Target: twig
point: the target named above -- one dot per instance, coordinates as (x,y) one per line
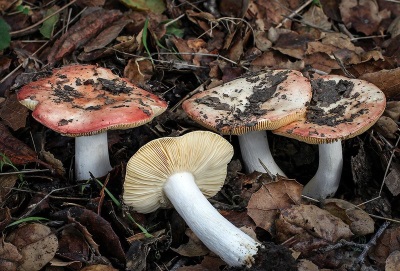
(372,242)
(24,171)
(294,13)
(42,20)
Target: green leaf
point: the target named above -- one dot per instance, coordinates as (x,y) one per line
(47,27)
(23,9)
(156,6)
(5,37)
(173,29)
(27,219)
(144,38)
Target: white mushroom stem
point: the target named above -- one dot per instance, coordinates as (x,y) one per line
(326,181)
(91,155)
(224,239)
(254,145)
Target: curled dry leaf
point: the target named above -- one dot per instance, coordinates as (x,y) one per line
(270,199)
(386,244)
(362,15)
(314,221)
(10,257)
(73,245)
(36,243)
(392,180)
(99,267)
(7,182)
(386,80)
(193,248)
(392,110)
(97,226)
(387,127)
(13,113)
(359,221)
(393,261)
(17,151)
(80,33)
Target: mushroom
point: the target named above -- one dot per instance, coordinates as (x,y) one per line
(183,171)
(250,105)
(340,108)
(84,101)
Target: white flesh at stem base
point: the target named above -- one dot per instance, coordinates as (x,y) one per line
(91,155)
(326,181)
(220,236)
(253,146)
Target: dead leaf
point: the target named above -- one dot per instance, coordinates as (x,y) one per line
(386,80)
(7,182)
(359,221)
(80,33)
(73,245)
(270,199)
(13,112)
(193,248)
(292,44)
(209,263)
(36,243)
(106,36)
(316,222)
(386,244)
(99,267)
(138,71)
(387,127)
(306,265)
(90,3)
(392,110)
(97,226)
(10,257)
(362,15)
(56,164)
(393,261)
(18,152)
(392,180)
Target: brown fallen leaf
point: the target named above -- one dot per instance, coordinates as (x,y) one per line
(7,182)
(270,199)
(97,226)
(17,151)
(80,33)
(99,267)
(392,180)
(386,80)
(193,248)
(13,113)
(36,243)
(359,221)
(209,263)
(362,15)
(386,244)
(138,71)
(10,257)
(386,127)
(392,109)
(393,261)
(73,245)
(315,221)
(106,36)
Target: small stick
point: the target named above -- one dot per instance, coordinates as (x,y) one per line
(294,13)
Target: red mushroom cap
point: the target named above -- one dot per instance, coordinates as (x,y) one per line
(262,102)
(81,100)
(341,108)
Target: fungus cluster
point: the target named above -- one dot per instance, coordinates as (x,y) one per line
(323,111)
(84,101)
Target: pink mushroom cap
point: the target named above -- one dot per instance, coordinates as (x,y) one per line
(265,101)
(81,100)
(355,110)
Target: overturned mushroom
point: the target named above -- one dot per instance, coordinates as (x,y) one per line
(84,101)
(178,171)
(340,108)
(248,106)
